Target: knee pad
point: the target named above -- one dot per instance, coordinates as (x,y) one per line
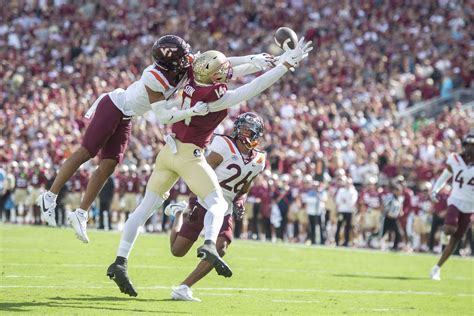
(215,202)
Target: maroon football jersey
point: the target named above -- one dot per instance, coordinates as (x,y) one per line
(198,130)
(37,178)
(370,198)
(130,184)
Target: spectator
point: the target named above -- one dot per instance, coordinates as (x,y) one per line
(392,206)
(315,200)
(346,198)
(105,202)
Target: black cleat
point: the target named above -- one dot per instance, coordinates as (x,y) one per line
(208,252)
(117,271)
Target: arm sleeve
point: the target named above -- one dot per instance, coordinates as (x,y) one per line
(244,70)
(248,90)
(239,60)
(441,181)
(219,146)
(168,116)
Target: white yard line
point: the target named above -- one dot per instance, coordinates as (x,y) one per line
(294,301)
(169,267)
(237,289)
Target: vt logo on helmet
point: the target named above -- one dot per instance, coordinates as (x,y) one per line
(172,54)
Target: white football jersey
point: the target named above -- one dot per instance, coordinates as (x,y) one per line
(234,172)
(462,193)
(134,100)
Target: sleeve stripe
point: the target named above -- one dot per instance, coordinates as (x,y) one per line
(229,143)
(261,158)
(456,158)
(161,80)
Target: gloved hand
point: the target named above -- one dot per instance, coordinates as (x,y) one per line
(263,61)
(199,109)
(239,208)
(294,56)
(434,197)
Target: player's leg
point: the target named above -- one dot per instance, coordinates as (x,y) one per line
(160,182)
(202,181)
(183,291)
(456,224)
(111,154)
(184,230)
(102,126)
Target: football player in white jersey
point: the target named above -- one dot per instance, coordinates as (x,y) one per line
(236,162)
(460,167)
(109,131)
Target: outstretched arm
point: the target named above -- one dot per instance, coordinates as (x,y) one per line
(167,113)
(289,59)
(246,65)
(250,89)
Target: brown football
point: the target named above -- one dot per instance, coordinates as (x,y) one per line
(285,35)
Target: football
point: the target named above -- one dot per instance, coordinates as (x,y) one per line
(285,35)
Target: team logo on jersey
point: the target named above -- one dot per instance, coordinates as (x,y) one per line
(197,153)
(234,157)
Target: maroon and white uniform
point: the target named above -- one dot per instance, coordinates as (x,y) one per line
(233,173)
(38,178)
(461,199)
(110,128)
(199,129)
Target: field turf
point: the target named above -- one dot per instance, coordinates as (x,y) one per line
(47,271)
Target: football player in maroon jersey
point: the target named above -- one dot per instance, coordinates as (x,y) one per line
(183,154)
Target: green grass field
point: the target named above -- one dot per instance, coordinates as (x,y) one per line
(48,271)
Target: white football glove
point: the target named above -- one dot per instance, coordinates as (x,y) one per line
(294,56)
(199,109)
(263,61)
(434,197)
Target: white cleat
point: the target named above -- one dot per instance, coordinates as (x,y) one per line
(174,208)
(78,221)
(436,273)
(48,213)
(183,293)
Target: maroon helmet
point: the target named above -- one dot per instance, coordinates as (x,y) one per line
(172,54)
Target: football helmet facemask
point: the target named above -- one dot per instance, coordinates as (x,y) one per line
(248,128)
(212,67)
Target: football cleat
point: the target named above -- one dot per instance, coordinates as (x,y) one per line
(48,213)
(208,252)
(183,293)
(118,273)
(436,273)
(174,208)
(78,221)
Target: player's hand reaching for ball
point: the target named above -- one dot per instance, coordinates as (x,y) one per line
(263,61)
(199,109)
(292,57)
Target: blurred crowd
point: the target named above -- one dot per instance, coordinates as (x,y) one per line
(335,123)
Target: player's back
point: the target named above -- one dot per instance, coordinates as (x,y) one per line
(134,100)
(463,178)
(198,130)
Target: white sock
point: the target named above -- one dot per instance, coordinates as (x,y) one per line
(144,210)
(216,208)
(82,212)
(50,196)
